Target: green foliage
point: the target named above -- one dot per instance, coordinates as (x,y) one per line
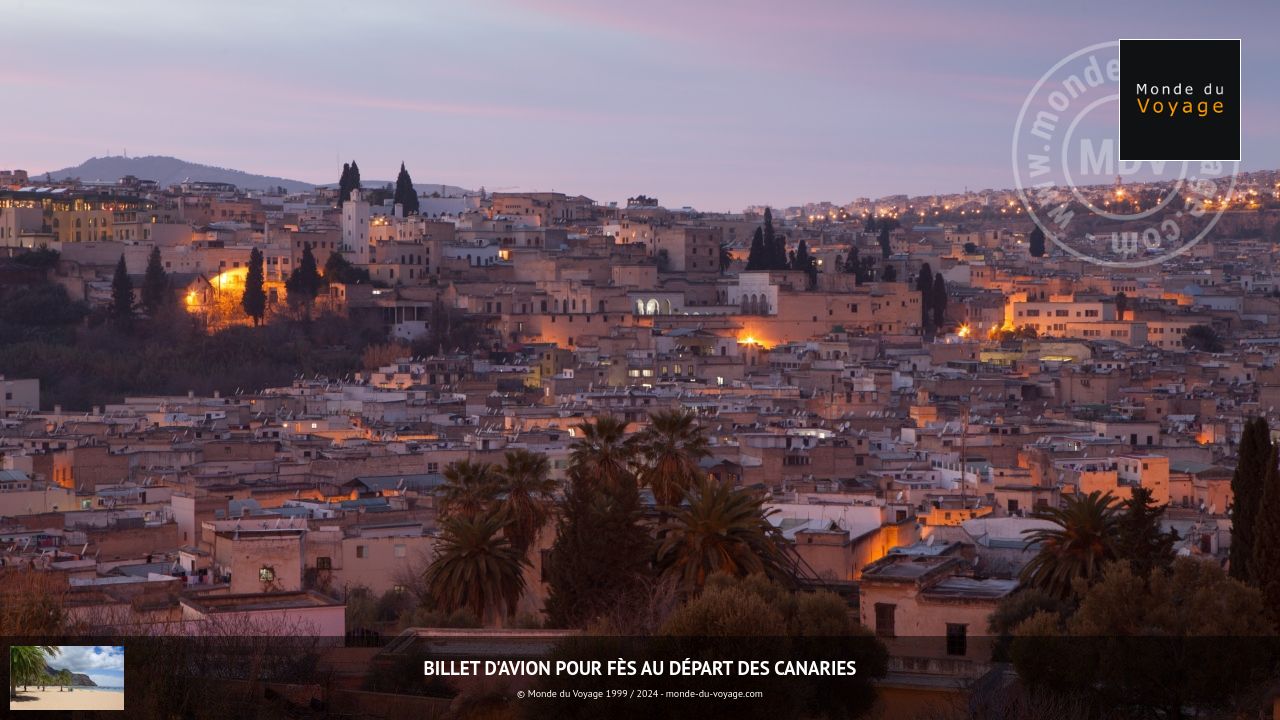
(40,257)
(469,488)
(156,292)
(121,307)
(890,273)
(304,283)
(349,181)
(970,249)
(671,447)
(768,249)
(1035,242)
(337,269)
(1140,540)
(526,496)
(938,300)
(1083,541)
(1203,338)
(27,664)
(1182,638)
(720,529)
(602,554)
(406,196)
(1265,567)
(1246,488)
(886,249)
(476,567)
(254,299)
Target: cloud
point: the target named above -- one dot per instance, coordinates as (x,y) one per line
(103,663)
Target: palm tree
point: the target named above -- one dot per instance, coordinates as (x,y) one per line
(26,664)
(526,495)
(64,677)
(1083,541)
(469,488)
(602,454)
(476,566)
(720,529)
(671,447)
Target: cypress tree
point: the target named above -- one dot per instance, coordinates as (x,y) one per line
(924,285)
(155,284)
(405,195)
(355,176)
(121,307)
(1036,242)
(775,247)
(939,300)
(344,183)
(885,249)
(304,282)
(1246,488)
(889,274)
(254,300)
(756,259)
(601,555)
(1265,564)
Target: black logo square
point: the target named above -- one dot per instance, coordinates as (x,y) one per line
(1180,100)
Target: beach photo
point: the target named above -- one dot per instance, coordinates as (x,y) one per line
(66,677)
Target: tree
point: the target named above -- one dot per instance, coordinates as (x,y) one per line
(938,299)
(726,258)
(671,447)
(304,283)
(889,274)
(26,664)
(121,306)
(155,284)
(349,181)
(469,488)
(885,248)
(64,678)
(1190,637)
(970,249)
(602,455)
(1140,540)
(1246,489)
(337,269)
(756,258)
(1035,242)
(924,285)
(406,196)
(775,246)
(254,299)
(1203,338)
(721,529)
(602,555)
(1266,541)
(1083,541)
(526,495)
(476,567)
(1122,302)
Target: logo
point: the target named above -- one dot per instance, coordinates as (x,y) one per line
(1085,199)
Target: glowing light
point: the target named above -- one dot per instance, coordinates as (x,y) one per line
(964,331)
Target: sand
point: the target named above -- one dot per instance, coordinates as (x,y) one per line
(78,699)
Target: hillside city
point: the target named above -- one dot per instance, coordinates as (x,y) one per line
(387,415)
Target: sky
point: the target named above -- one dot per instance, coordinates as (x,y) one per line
(707,103)
(104,664)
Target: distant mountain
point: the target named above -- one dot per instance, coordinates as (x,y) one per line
(168,171)
(77,679)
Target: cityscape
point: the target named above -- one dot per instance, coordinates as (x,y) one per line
(269,447)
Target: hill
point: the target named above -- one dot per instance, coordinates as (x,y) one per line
(170,171)
(77,679)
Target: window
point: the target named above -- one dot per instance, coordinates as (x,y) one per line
(957,639)
(267,574)
(360,551)
(884,619)
(399,551)
(324,563)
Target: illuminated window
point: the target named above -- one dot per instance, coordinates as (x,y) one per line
(267,574)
